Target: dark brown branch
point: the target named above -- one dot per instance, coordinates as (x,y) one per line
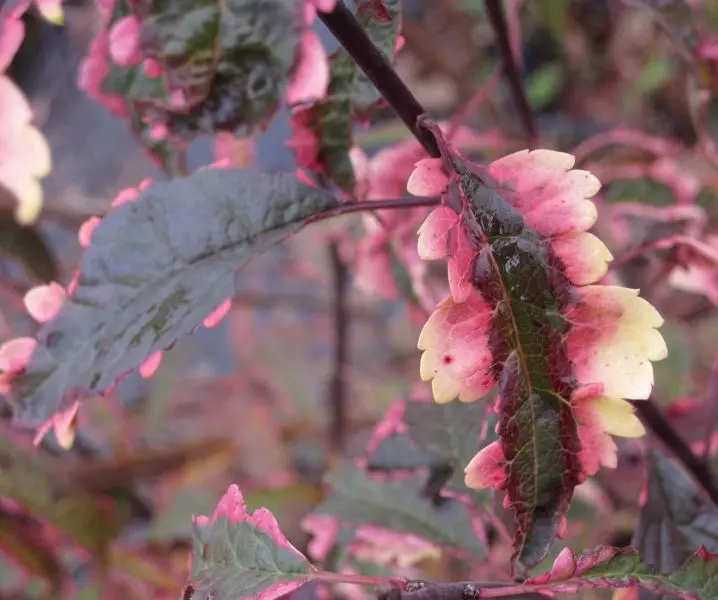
(498,22)
(657,423)
(353,38)
(337,390)
(459,590)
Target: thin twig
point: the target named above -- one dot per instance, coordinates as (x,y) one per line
(461,590)
(372,205)
(657,423)
(498,22)
(340,316)
(350,34)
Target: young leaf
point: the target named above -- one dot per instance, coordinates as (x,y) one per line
(452,431)
(238,555)
(676,520)
(323,131)
(399,505)
(156,267)
(607,567)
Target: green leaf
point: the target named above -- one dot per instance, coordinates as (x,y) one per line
(607,567)
(545,83)
(399,505)
(156,268)
(231,58)
(676,520)
(237,560)
(451,431)
(350,94)
(30,482)
(398,452)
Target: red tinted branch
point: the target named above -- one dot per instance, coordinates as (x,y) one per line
(350,34)
(497,17)
(657,423)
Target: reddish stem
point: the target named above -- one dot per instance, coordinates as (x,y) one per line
(372,205)
(373,580)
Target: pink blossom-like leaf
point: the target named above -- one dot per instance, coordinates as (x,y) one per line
(517,251)
(311,77)
(219,313)
(125,42)
(487,468)
(238,555)
(44,302)
(24,153)
(12,32)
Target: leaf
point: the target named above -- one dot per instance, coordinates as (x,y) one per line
(398,505)
(231,59)
(29,481)
(350,95)
(607,567)
(451,431)
(239,555)
(157,266)
(25,156)
(676,520)
(398,452)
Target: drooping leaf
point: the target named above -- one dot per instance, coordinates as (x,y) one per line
(608,567)
(523,315)
(238,555)
(157,266)
(676,519)
(24,153)
(29,481)
(399,505)
(452,431)
(350,95)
